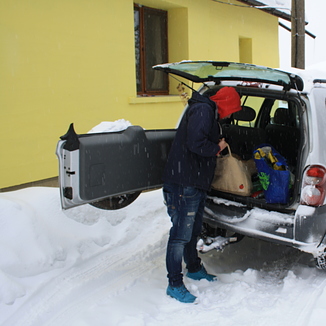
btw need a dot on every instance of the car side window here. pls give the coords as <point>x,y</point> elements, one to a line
<point>284,113</point>
<point>254,103</point>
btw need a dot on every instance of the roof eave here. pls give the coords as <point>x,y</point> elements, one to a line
<point>269,10</point>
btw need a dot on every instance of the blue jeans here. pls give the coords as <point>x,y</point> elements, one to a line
<point>185,206</point>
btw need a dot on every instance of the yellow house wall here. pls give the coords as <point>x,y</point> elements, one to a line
<point>220,34</point>
<point>69,61</point>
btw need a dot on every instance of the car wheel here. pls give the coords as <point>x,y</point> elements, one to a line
<point>321,261</point>
<point>117,202</point>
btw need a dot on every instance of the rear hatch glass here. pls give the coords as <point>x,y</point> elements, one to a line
<point>202,71</point>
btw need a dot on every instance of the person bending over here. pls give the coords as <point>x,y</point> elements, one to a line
<point>187,178</point>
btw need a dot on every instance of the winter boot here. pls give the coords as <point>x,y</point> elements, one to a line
<point>202,274</point>
<point>180,293</point>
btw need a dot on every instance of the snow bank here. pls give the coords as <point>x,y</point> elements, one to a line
<point>37,237</point>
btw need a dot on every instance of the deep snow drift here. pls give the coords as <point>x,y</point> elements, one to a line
<point>86,266</point>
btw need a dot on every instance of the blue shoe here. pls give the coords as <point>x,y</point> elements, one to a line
<point>181,294</point>
<point>202,274</point>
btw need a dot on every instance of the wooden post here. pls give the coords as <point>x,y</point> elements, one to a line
<point>298,34</point>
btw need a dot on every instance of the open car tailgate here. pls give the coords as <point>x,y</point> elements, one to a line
<point>102,165</point>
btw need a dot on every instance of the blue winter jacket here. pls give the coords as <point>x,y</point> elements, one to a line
<point>192,158</point>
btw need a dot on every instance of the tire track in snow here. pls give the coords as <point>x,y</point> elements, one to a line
<point>310,299</point>
<point>91,281</point>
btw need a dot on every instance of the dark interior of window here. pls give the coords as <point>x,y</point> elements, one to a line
<point>150,49</point>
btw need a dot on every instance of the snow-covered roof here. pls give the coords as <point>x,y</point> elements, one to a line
<point>310,75</point>
<point>279,8</point>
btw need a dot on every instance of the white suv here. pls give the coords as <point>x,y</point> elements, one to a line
<point>281,109</point>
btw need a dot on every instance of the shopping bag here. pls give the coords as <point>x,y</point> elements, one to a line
<point>273,174</point>
<point>233,175</point>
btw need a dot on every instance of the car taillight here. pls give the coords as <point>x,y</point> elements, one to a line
<point>314,186</point>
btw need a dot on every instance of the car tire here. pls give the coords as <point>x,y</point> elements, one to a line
<point>321,261</point>
<point>117,202</point>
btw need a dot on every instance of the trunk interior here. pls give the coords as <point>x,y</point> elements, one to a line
<point>269,119</point>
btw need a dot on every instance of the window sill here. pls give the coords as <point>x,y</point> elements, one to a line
<point>154,99</point>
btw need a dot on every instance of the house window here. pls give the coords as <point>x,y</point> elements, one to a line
<point>150,49</point>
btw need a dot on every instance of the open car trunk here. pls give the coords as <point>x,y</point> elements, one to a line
<point>272,114</point>
<point>267,119</point>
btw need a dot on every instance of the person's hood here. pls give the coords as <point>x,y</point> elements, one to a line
<point>198,98</point>
<point>227,101</point>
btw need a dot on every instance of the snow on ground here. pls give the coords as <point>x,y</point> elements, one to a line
<point>86,266</point>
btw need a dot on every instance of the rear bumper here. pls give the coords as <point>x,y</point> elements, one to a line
<point>303,228</point>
